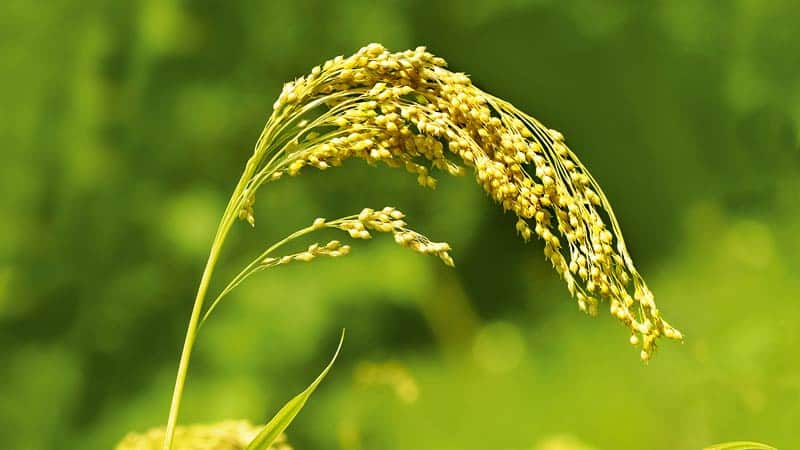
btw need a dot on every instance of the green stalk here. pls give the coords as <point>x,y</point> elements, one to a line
<point>191,332</point>
<point>263,146</point>
<point>228,218</point>
<point>225,224</point>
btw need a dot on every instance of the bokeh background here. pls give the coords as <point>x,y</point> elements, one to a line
<point>124,128</point>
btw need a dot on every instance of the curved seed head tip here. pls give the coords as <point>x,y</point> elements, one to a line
<point>407,110</point>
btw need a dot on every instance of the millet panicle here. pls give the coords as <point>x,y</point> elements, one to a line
<point>407,110</point>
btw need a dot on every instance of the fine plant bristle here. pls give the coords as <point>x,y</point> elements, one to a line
<point>407,110</point>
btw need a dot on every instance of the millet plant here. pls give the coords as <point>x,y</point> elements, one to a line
<point>407,110</point>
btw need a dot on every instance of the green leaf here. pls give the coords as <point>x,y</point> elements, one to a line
<point>740,445</point>
<point>284,417</point>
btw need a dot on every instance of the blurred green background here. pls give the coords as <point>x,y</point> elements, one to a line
<point>126,124</point>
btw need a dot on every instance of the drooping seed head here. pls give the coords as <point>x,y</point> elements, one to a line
<point>407,110</point>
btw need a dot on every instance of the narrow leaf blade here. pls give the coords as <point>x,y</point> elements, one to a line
<point>289,411</point>
<point>740,445</point>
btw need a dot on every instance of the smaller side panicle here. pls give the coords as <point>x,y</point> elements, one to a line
<point>358,226</point>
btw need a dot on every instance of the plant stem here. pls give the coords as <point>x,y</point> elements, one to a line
<point>225,224</point>
<point>228,218</point>
<point>191,333</point>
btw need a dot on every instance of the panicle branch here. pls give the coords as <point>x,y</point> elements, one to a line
<point>386,220</point>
